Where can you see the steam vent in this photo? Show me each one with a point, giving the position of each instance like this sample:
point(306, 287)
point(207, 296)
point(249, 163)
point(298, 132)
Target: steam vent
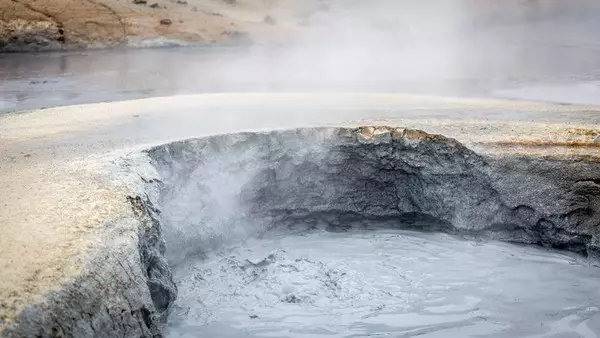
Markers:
point(475, 222)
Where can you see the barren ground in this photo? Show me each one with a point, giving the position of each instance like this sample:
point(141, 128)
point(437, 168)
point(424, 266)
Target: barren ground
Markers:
point(53, 203)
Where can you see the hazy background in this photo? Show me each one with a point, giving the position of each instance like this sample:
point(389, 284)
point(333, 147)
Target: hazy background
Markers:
point(544, 49)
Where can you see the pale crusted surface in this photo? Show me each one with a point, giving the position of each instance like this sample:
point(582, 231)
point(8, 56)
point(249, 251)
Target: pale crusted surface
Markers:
point(506, 137)
point(48, 210)
point(52, 206)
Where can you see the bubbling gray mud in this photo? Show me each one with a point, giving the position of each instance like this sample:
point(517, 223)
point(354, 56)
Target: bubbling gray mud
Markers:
point(384, 282)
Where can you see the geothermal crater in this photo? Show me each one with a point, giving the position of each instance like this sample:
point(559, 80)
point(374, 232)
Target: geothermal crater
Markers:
point(337, 232)
point(310, 232)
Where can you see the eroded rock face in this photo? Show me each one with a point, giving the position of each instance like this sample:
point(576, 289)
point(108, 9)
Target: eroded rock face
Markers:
point(125, 291)
point(406, 178)
point(28, 26)
point(23, 35)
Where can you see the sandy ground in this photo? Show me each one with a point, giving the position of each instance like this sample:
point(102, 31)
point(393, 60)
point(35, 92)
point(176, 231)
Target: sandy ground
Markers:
point(51, 205)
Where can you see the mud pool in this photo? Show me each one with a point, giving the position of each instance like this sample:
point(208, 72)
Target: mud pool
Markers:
point(384, 282)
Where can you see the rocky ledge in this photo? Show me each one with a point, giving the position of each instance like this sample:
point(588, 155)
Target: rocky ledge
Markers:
point(125, 290)
point(402, 177)
point(126, 287)
point(190, 196)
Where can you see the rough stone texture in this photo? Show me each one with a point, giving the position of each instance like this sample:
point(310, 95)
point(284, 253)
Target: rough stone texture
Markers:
point(400, 176)
point(50, 25)
point(125, 290)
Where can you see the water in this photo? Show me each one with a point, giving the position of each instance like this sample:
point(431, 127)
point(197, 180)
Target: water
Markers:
point(385, 283)
point(547, 61)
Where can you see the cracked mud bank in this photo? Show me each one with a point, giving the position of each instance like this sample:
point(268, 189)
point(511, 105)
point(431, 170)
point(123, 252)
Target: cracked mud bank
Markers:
point(192, 197)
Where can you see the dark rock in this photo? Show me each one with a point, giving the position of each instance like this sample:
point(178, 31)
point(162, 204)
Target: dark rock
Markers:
point(140, 2)
point(154, 5)
point(401, 178)
point(166, 22)
point(33, 41)
point(586, 188)
point(182, 2)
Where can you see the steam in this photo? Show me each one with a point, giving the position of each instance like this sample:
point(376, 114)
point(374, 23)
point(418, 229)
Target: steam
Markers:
point(442, 47)
point(204, 211)
point(211, 185)
point(201, 203)
point(352, 45)
point(434, 46)
point(447, 47)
